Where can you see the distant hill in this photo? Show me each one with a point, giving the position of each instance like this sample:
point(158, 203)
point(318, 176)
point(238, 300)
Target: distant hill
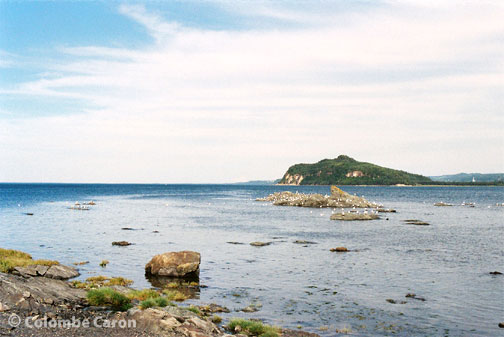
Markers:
point(348, 171)
point(468, 177)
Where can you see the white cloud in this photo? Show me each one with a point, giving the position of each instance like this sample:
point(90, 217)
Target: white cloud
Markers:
point(413, 87)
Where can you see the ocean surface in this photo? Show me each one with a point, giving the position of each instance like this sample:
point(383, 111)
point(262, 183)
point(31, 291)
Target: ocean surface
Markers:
point(446, 263)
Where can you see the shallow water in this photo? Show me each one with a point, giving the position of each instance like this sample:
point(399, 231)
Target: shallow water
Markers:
point(447, 263)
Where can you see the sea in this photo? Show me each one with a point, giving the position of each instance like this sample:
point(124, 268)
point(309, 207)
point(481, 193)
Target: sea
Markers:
point(363, 292)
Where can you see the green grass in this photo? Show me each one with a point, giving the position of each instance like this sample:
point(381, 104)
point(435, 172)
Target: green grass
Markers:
point(143, 294)
point(194, 309)
point(10, 259)
point(155, 302)
point(175, 295)
point(108, 297)
point(253, 328)
point(101, 281)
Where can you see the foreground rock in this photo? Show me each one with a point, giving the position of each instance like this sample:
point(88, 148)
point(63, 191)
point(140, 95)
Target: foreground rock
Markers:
point(37, 294)
point(174, 264)
point(354, 216)
point(173, 321)
point(58, 272)
point(42, 299)
point(338, 198)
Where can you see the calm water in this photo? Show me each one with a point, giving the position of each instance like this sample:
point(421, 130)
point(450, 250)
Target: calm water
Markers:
point(447, 263)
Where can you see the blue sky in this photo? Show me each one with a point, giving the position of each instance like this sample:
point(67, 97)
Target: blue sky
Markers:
point(247, 88)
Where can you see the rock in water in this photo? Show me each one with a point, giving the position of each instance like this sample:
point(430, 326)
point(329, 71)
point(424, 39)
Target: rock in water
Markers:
point(354, 216)
point(339, 249)
point(442, 204)
point(121, 243)
point(338, 198)
point(260, 244)
point(174, 264)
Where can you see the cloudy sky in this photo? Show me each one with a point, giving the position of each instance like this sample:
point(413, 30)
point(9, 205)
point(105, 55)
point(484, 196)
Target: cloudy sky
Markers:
point(223, 91)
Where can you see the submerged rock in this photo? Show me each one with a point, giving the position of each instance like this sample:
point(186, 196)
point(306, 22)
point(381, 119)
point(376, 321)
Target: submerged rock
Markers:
point(338, 198)
point(411, 295)
point(339, 249)
point(386, 210)
point(416, 222)
point(121, 243)
point(495, 273)
point(174, 264)
point(351, 216)
point(260, 244)
point(304, 242)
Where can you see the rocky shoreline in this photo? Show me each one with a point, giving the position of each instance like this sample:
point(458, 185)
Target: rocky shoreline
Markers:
point(36, 302)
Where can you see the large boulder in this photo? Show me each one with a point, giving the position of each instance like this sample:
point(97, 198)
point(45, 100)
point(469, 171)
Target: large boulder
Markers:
point(174, 264)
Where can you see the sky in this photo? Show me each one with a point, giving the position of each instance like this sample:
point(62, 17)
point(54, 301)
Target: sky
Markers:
point(216, 91)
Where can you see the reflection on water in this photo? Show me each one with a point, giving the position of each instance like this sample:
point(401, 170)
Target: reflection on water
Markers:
point(448, 263)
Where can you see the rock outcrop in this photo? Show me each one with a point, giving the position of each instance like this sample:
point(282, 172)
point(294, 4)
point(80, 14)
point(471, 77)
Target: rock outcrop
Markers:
point(173, 321)
point(58, 272)
point(174, 264)
point(36, 293)
point(337, 199)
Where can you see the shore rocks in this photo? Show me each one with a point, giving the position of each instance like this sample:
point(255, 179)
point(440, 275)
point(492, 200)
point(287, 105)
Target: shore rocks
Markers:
point(353, 216)
point(36, 293)
point(174, 264)
point(121, 243)
point(260, 244)
point(338, 198)
point(339, 250)
point(173, 321)
point(58, 272)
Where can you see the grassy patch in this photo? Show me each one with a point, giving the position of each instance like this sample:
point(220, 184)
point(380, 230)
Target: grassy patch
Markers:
point(101, 281)
point(194, 309)
point(143, 294)
point(108, 297)
point(175, 295)
point(252, 328)
point(155, 302)
point(216, 319)
point(10, 259)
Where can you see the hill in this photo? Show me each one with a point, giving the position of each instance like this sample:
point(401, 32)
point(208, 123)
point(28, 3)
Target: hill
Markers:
point(348, 171)
point(468, 177)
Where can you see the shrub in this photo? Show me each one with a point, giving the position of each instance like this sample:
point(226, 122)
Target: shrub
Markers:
point(147, 303)
point(161, 302)
point(108, 297)
point(194, 309)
